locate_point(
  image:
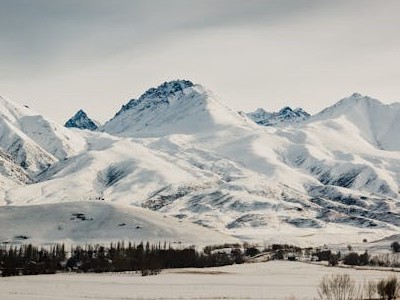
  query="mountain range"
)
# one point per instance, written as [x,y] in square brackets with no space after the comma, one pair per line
[285,116]
[178,154]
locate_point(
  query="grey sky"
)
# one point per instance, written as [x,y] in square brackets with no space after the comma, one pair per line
[60,56]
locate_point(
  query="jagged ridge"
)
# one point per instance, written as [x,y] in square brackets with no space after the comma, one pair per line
[157,95]
[285,116]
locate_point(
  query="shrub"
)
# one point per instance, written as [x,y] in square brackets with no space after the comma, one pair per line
[237,256]
[324,255]
[278,255]
[333,260]
[381,288]
[337,287]
[395,246]
[352,259]
[364,259]
[388,288]
[252,251]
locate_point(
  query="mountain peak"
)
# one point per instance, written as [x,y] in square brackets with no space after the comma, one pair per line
[302,112]
[158,95]
[356,96]
[177,106]
[167,88]
[82,121]
[260,110]
[81,113]
[377,122]
[285,110]
[284,116]
[355,101]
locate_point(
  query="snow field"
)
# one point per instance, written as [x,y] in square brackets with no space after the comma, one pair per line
[271,280]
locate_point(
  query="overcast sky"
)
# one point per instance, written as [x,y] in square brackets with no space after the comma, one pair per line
[59,56]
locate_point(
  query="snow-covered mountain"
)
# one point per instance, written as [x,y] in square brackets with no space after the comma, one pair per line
[81,121]
[379,124]
[175,107]
[179,151]
[285,116]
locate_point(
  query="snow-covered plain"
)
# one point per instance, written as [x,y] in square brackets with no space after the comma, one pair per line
[271,280]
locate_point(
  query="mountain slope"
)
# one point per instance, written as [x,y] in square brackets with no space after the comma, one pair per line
[11,176]
[342,147]
[11,170]
[33,141]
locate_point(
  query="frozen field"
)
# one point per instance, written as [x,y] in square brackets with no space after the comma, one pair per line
[271,280]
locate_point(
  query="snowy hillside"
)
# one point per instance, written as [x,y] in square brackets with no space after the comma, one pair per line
[11,170]
[11,175]
[81,121]
[285,116]
[98,222]
[179,151]
[33,141]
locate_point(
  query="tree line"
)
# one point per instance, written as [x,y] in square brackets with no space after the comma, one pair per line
[30,260]
[145,258]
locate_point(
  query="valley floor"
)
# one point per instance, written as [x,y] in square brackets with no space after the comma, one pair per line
[271,280]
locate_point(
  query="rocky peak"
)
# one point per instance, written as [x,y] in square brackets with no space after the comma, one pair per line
[158,95]
[82,121]
[285,116]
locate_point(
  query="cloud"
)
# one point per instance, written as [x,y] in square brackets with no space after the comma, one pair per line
[39,32]
[253,52]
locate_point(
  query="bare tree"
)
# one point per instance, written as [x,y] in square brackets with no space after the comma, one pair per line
[392,288]
[389,288]
[337,287]
[381,288]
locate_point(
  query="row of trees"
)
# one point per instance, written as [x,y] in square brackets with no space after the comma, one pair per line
[356,259]
[148,259]
[30,260]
